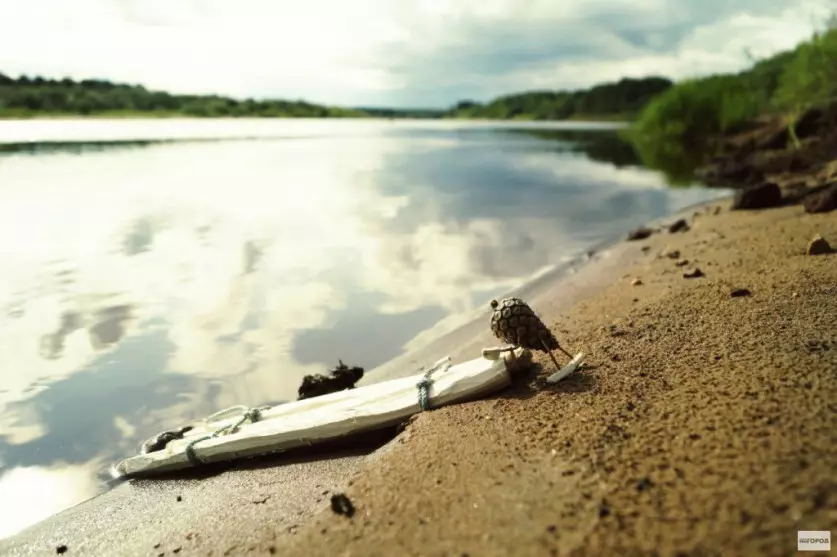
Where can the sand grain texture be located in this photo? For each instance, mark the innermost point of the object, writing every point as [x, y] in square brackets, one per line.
[707, 424]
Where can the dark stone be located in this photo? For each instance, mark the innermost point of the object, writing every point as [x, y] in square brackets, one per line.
[604, 510]
[763, 196]
[679, 225]
[821, 202]
[818, 246]
[61, 549]
[739, 292]
[341, 504]
[694, 273]
[640, 233]
[179, 499]
[644, 484]
[341, 378]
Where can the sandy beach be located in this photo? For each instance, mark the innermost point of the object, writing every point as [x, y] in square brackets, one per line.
[705, 424]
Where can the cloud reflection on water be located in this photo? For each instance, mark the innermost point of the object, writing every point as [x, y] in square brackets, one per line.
[144, 288]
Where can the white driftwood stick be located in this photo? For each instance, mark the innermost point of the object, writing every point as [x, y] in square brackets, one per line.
[574, 364]
[318, 419]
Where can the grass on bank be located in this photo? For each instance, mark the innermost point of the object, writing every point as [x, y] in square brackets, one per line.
[675, 131]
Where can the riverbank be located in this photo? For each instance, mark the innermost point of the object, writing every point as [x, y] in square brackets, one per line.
[704, 423]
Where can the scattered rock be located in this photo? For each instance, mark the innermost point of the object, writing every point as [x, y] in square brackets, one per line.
[821, 202]
[672, 254]
[646, 249]
[636, 282]
[763, 196]
[604, 510]
[261, 501]
[61, 549]
[693, 273]
[679, 225]
[818, 246]
[341, 378]
[640, 233]
[644, 484]
[341, 504]
[739, 292]
[681, 262]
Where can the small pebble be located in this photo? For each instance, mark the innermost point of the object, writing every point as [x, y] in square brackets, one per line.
[682, 262]
[640, 233]
[61, 549]
[693, 273]
[739, 292]
[341, 504]
[678, 226]
[672, 254]
[818, 246]
[644, 484]
[636, 282]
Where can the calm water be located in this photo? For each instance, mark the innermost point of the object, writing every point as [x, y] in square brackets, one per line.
[144, 284]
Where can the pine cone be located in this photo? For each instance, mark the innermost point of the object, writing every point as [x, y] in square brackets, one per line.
[514, 322]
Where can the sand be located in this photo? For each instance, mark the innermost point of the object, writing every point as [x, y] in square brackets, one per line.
[706, 424]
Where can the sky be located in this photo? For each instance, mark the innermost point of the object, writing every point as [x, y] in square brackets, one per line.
[400, 53]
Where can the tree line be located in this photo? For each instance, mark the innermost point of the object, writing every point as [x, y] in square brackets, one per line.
[622, 99]
[37, 96]
[34, 96]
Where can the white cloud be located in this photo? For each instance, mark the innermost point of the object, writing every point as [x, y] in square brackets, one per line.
[385, 51]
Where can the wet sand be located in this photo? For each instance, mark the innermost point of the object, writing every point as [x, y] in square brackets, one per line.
[705, 424]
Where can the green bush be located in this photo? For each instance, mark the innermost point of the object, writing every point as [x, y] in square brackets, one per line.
[810, 76]
[675, 132]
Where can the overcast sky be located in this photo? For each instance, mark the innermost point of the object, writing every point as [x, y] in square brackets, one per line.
[392, 52]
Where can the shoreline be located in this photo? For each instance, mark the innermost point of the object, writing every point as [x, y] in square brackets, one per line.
[564, 286]
[706, 424]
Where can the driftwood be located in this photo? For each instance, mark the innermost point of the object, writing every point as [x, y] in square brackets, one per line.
[233, 434]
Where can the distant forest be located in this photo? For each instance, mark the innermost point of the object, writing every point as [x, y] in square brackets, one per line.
[38, 97]
[620, 100]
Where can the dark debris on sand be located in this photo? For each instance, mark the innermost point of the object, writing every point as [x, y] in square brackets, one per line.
[640, 233]
[341, 504]
[339, 379]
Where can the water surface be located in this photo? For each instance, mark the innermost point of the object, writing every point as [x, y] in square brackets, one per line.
[153, 272]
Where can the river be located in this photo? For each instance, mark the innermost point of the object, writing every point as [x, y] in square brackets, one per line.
[156, 271]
